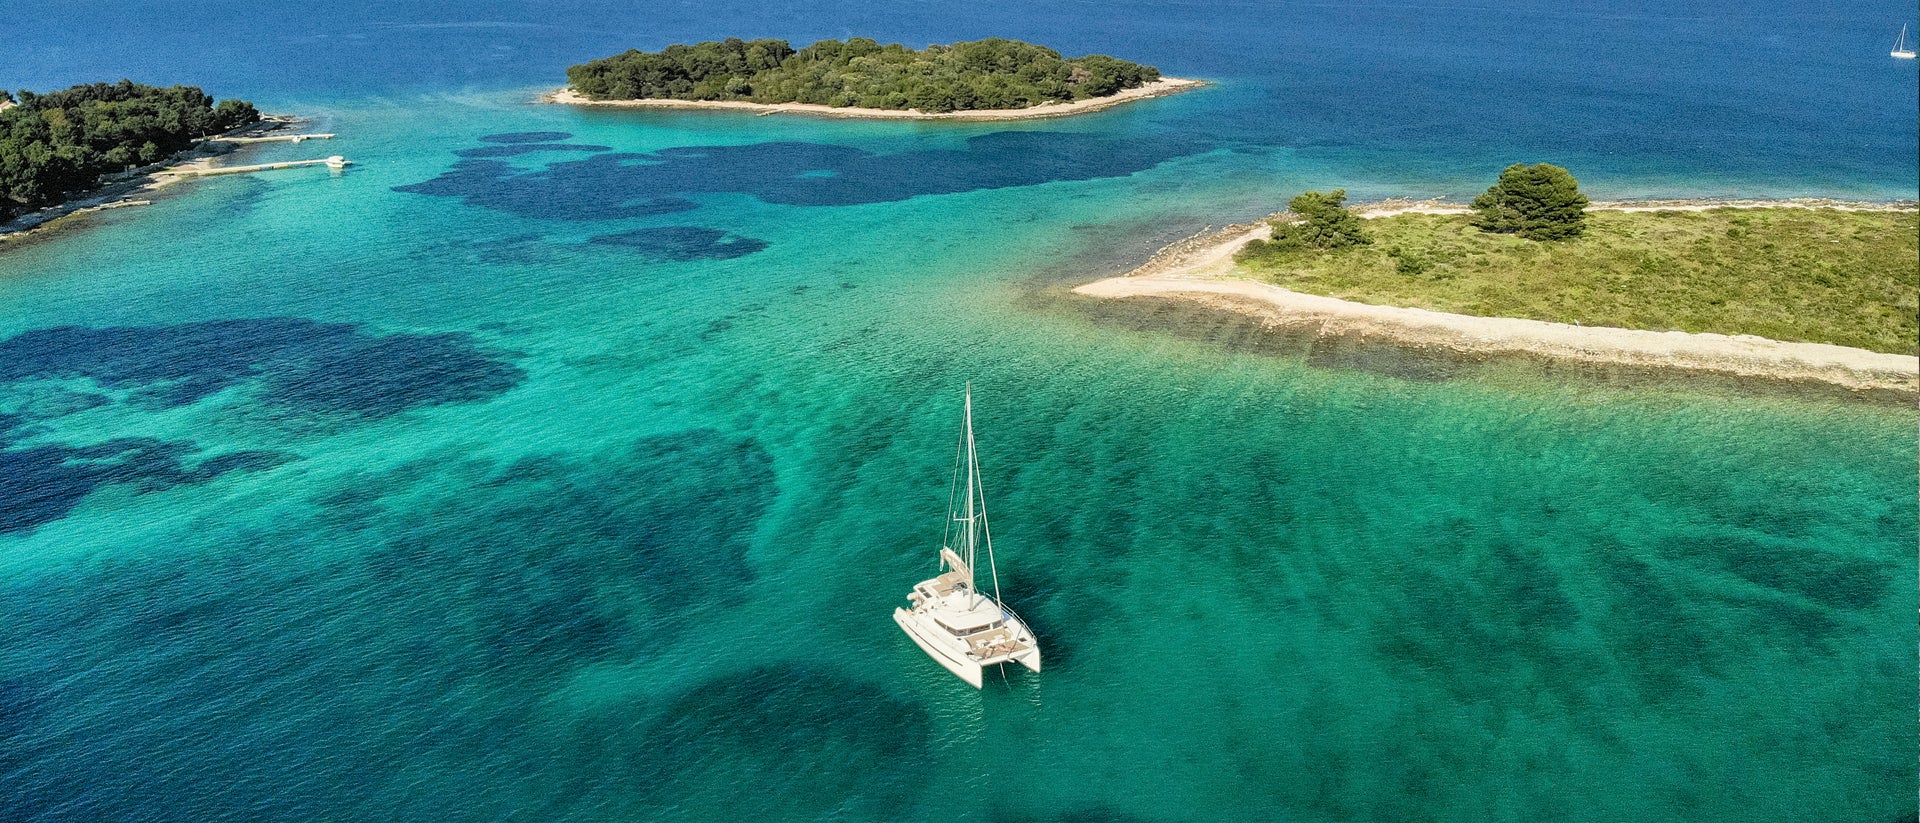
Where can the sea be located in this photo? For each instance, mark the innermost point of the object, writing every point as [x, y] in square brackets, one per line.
[552, 464]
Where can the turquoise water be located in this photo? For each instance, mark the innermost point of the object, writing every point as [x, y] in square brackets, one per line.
[486, 482]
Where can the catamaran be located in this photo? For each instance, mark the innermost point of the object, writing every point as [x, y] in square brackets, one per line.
[1900, 49]
[956, 624]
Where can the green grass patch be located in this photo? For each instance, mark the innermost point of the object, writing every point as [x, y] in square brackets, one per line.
[1816, 275]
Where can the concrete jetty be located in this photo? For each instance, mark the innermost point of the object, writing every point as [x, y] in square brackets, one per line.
[272, 138]
[335, 162]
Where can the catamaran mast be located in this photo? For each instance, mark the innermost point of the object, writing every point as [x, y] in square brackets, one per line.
[977, 528]
[973, 479]
[978, 495]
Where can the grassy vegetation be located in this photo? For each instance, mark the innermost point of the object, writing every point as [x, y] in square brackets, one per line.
[1825, 276]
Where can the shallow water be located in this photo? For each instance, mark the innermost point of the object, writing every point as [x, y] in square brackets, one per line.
[556, 464]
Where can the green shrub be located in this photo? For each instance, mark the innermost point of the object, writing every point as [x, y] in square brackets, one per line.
[1324, 223]
[1411, 264]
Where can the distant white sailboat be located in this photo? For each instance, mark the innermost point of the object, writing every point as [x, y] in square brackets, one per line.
[956, 624]
[1900, 49]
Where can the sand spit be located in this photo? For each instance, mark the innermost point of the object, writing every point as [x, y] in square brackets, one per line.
[1159, 88]
[1201, 269]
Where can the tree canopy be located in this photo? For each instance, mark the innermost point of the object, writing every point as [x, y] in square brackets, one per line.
[1538, 202]
[55, 144]
[982, 74]
[1325, 223]
[1321, 221]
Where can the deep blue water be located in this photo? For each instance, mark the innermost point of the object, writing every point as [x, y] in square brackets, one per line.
[1423, 98]
[553, 464]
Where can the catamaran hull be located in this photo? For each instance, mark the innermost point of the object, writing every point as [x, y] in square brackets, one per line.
[966, 668]
[1031, 659]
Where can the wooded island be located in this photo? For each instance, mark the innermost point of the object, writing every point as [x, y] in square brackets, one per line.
[992, 74]
[60, 143]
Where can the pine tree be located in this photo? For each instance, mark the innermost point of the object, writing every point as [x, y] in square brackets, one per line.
[1538, 202]
[1324, 223]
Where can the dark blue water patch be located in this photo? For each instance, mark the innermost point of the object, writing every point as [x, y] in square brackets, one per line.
[377, 376]
[496, 185]
[179, 643]
[1499, 630]
[303, 365]
[423, 614]
[550, 584]
[615, 184]
[1788, 624]
[725, 747]
[694, 492]
[26, 706]
[1041, 599]
[525, 137]
[529, 148]
[44, 483]
[680, 244]
[1654, 624]
[1824, 578]
[572, 542]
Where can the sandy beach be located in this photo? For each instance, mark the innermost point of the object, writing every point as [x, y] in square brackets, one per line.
[1159, 88]
[1201, 269]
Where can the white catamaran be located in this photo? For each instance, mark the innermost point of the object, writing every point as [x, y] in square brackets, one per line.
[956, 624]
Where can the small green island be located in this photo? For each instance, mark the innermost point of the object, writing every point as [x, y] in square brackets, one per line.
[1806, 291]
[982, 75]
[1531, 249]
[59, 144]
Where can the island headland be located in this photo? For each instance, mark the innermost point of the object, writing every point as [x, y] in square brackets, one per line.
[993, 79]
[105, 145]
[1215, 269]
